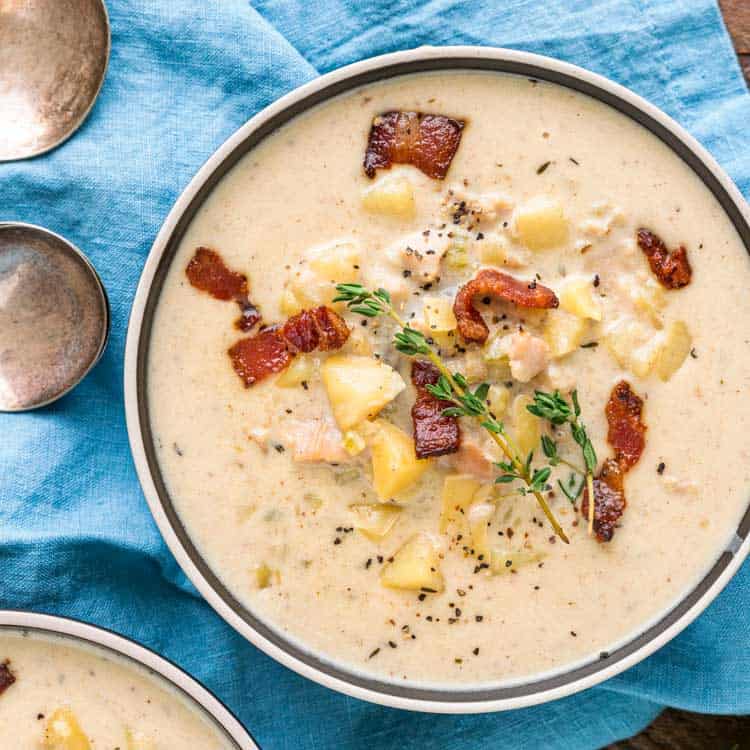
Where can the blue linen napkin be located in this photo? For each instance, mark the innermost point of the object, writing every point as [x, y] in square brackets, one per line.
[76, 537]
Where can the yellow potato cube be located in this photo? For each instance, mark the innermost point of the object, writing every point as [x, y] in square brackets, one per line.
[375, 521]
[623, 337]
[674, 351]
[577, 297]
[457, 256]
[458, 494]
[498, 397]
[643, 359]
[289, 304]
[336, 263]
[505, 560]
[479, 516]
[359, 387]
[527, 429]
[395, 465]
[415, 567]
[495, 351]
[493, 251]
[540, 223]
[392, 195]
[301, 369]
[563, 332]
[438, 314]
[649, 298]
[353, 442]
[63, 732]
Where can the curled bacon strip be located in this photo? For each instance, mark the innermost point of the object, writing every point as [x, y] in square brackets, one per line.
[490, 282]
[427, 142]
[271, 350]
[672, 269]
[206, 271]
[7, 678]
[434, 434]
[626, 435]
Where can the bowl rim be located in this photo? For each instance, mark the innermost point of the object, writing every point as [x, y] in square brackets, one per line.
[126, 648]
[535, 689]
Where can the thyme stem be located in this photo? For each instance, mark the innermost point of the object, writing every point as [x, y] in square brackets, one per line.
[372, 304]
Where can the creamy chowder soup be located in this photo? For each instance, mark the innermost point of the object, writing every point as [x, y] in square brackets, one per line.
[538, 241]
[58, 694]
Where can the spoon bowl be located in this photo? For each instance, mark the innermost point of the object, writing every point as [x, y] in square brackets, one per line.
[53, 57]
[54, 316]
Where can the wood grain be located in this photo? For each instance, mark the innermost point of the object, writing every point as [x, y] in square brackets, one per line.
[737, 17]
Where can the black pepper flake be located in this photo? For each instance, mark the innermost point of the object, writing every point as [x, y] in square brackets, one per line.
[368, 563]
[596, 280]
[458, 661]
[177, 449]
[574, 634]
[374, 653]
[288, 411]
[380, 559]
[577, 163]
[337, 540]
[693, 353]
[458, 612]
[279, 448]
[392, 644]
[428, 590]
[542, 168]
[476, 651]
[422, 597]
[406, 273]
[39, 717]
[590, 345]
[508, 563]
[305, 385]
[660, 468]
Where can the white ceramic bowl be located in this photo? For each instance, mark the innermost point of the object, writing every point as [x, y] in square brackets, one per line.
[534, 690]
[79, 632]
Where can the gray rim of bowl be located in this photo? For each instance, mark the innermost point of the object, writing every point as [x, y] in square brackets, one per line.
[92, 635]
[453, 700]
[86, 262]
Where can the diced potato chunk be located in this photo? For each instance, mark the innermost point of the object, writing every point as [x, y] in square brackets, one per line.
[526, 427]
[458, 494]
[540, 223]
[493, 250]
[359, 387]
[353, 442]
[577, 297]
[642, 360]
[563, 332]
[289, 304]
[625, 336]
[415, 567]
[457, 256]
[63, 732]
[479, 518]
[496, 350]
[395, 465]
[139, 741]
[339, 262]
[505, 561]
[301, 369]
[375, 521]
[498, 397]
[391, 194]
[674, 351]
[649, 298]
[264, 576]
[438, 314]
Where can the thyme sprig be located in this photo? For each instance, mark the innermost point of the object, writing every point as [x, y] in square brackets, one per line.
[557, 411]
[453, 388]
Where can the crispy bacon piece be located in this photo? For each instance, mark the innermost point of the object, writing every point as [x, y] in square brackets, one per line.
[271, 350]
[490, 282]
[7, 678]
[206, 271]
[672, 269]
[434, 434]
[626, 432]
[427, 142]
[626, 435]
[609, 500]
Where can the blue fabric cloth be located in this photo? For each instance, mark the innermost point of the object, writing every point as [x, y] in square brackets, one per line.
[76, 537]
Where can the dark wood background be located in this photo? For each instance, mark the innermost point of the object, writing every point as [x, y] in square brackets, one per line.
[680, 730]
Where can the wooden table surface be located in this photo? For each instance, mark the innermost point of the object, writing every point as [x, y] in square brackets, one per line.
[680, 730]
